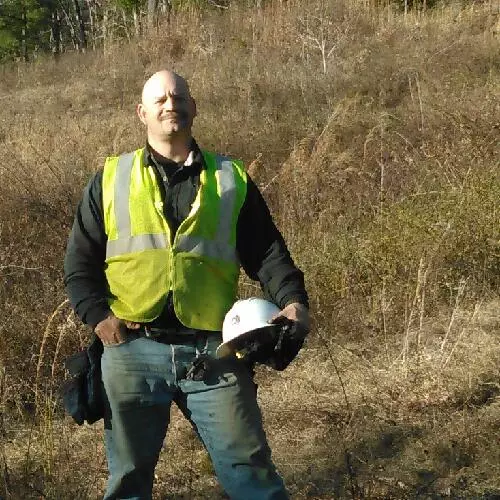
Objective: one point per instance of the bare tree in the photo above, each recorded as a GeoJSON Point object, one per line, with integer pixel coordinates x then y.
{"type": "Point", "coordinates": [24, 32]}
{"type": "Point", "coordinates": [152, 12]}
{"type": "Point", "coordinates": [56, 45]}
{"type": "Point", "coordinates": [320, 32]}
{"type": "Point", "coordinates": [93, 34]}
{"type": "Point", "coordinates": [165, 9]}
{"type": "Point", "coordinates": [82, 37]}
{"type": "Point", "coordinates": [137, 22]}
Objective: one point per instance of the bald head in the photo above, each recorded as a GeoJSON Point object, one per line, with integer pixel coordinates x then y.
{"type": "Point", "coordinates": [163, 81]}
{"type": "Point", "coordinates": [167, 108]}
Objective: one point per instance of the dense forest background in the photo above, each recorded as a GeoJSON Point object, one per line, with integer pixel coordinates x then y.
{"type": "Point", "coordinates": [31, 27]}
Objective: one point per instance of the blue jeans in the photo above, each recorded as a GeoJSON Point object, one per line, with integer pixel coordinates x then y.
{"type": "Point", "coordinates": [142, 377]}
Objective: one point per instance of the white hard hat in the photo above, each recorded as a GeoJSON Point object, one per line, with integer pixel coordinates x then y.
{"type": "Point", "coordinates": [245, 319]}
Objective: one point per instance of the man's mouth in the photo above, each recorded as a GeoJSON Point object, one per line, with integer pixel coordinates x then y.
{"type": "Point", "coordinates": [172, 116]}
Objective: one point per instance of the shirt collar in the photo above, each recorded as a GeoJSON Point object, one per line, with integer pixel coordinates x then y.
{"type": "Point", "coordinates": [190, 159]}
{"type": "Point", "coordinates": [195, 156]}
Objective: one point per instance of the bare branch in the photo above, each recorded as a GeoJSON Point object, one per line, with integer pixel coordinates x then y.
{"type": "Point", "coordinates": [215, 4]}
{"type": "Point", "coordinates": [24, 268]}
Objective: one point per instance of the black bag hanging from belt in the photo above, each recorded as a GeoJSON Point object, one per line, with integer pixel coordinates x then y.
{"type": "Point", "coordinates": [83, 393]}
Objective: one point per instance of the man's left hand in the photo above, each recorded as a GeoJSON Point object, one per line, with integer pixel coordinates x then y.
{"type": "Point", "coordinates": [296, 325]}
{"type": "Point", "coordinates": [299, 314]}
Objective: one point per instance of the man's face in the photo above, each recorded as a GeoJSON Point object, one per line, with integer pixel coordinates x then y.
{"type": "Point", "coordinates": [167, 108]}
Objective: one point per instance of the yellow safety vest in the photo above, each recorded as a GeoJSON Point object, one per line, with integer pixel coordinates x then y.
{"type": "Point", "coordinates": [143, 264]}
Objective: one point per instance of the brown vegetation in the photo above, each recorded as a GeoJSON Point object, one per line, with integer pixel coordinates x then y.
{"type": "Point", "coordinates": [375, 138]}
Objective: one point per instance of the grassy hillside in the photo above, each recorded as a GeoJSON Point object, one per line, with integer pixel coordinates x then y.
{"type": "Point", "coordinates": [374, 136]}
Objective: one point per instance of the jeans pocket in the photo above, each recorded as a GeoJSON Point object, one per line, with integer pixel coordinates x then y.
{"type": "Point", "coordinates": [219, 373]}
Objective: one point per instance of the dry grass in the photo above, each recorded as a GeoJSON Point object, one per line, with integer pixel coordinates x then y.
{"type": "Point", "coordinates": [374, 136]}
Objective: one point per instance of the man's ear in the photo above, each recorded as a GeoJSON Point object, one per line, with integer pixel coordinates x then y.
{"type": "Point", "coordinates": [141, 113]}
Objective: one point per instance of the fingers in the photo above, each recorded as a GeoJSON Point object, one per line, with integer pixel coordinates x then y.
{"type": "Point", "coordinates": [298, 313]}
{"type": "Point", "coordinates": [288, 313]}
{"type": "Point", "coordinates": [110, 330]}
{"type": "Point", "coordinates": [113, 343]}
{"type": "Point", "coordinates": [132, 325]}
{"type": "Point", "coordinates": [279, 318]}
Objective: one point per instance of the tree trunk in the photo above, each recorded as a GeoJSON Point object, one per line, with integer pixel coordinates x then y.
{"type": "Point", "coordinates": [24, 34]}
{"type": "Point", "coordinates": [69, 24]}
{"type": "Point", "coordinates": [165, 6]}
{"type": "Point", "coordinates": [126, 24]}
{"type": "Point", "coordinates": [55, 34]}
{"type": "Point", "coordinates": [105, 29]}
{"type": "Point", "coordinates": [91, 37]}
{"type": "Point", "coordinates": [165, 9]}
{"type": "Point", "coordinates": [137, 23]}
{"type": "Point", "coordinates": [152, 7]}
{"type": "Point", "coordinates": [82, 37]}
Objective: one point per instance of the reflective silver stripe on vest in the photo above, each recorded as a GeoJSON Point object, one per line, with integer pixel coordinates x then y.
{"type": "Point", "coordinates": [134, 244]}
{"type": "Point", "coordinates": [123, 179]}
{"type": "Point", "coordinates": [225, 175]}
{"type": "Point", "coordinates": [219, 248]}
{"type": "Point", "coordinates": [201, 246]}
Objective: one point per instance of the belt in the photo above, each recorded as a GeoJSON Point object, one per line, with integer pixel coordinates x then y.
{"type": "Point", "coordinates": [169, 335]}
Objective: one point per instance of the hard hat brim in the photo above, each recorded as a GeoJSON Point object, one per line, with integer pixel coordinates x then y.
{"type": "Point", "coordinates": [232, 346]}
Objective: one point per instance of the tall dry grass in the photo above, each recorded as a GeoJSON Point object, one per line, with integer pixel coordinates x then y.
{"type": "Point", "coordinates": [374, 136]}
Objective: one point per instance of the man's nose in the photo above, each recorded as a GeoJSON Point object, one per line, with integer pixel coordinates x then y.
{"type": "Point", "coordinates": [169, 104]}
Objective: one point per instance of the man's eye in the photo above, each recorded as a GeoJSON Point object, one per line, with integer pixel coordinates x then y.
{"type": "Point", "coordinates": [176, 98]}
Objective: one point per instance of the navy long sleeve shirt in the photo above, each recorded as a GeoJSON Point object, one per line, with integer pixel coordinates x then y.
{"type": "Point", "coordinates": [261, 249]}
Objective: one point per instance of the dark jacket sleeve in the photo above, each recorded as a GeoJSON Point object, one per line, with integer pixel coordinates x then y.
{"type": "Point", "coordinates": [84, 276]}
{"type": "Point", "coordinates": [263, 252]}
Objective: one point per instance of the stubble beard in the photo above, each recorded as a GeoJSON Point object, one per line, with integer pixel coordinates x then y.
{"type": "Point", "coordinates": [174, 126]}
{"type": "Point", "coordinates": [169, 130]}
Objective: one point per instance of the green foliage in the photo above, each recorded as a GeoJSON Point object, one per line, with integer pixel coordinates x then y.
{"type": "Point", "coordinates": [8, 45]}
{"type": "Point", "coordinates": [452, 232]}
{"type": "Point", "coordinates": [22, 27]}
{"type": "Point", "coordinates": [130, 5]}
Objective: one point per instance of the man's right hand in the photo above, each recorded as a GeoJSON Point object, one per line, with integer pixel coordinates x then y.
{"type": "Point", "coordinates": [112, 330]}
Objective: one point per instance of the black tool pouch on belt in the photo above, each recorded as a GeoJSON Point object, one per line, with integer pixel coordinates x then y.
{"type": "Point", "coordinates": [83, 393]}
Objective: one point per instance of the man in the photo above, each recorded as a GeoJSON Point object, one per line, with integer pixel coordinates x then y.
{"type": "Point", "coordinates": [152, 265]}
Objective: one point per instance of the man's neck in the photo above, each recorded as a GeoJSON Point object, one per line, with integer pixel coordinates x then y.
{"type": "Point", "coordinates": [177, 151]}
